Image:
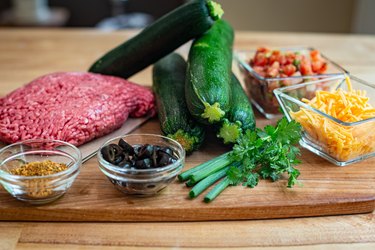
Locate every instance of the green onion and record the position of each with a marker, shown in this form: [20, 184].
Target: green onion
[190, 183]
[206, 182]
[217, 190]
[211, 168]
[188, 173]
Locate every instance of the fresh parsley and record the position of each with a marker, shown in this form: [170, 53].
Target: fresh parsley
[267, 153]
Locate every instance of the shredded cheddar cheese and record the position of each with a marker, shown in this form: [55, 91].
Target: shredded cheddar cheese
[340, 141]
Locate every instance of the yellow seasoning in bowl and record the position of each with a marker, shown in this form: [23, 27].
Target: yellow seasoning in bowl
[38, 188]
[37, 168]
[340, 141]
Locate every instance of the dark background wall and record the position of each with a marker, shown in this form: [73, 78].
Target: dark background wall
[337, 16]
[87, 13]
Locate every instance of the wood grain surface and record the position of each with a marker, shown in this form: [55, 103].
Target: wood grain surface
[26, 54]
[326, 190]
[255, 233]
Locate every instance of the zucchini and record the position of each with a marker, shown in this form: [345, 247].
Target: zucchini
[240, 116]
[207, 87]
[175, 120]
[159, 39]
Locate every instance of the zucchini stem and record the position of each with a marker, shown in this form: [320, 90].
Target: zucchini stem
[188, 142]
[213, 113]
[229, 131]
[215, 10]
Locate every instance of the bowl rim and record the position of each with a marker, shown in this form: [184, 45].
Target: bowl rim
[247, 66]
[71, 169]
[279, 93]
[106, 165]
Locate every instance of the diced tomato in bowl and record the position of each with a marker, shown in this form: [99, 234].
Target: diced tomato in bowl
[266, 70]
[288, 62]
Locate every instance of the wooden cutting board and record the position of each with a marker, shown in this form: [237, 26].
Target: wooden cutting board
[327, 190]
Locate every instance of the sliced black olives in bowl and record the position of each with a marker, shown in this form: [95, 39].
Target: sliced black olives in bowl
[144, 156]
[145, 163]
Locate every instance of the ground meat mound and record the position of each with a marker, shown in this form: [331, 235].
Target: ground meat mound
[72, 107]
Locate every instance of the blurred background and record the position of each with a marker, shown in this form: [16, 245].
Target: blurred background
[337, 16]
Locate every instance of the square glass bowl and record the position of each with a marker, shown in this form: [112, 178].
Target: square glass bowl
[260, 88]
[341, 143]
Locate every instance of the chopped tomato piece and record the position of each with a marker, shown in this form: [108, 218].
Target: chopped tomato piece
[272, 72]
[289, 69]
[315, 55]
[259, 70]
[275, 65]
[274, 56]
[260, 59]
[290, 57]
[305, 67]
[276, 52]
[263, 49]
[317, 65]
[323, 69]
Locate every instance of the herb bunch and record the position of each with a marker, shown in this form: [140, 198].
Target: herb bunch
[267, 154]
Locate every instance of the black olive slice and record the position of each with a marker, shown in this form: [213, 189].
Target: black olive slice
[124, 164]
[145, 151]
[162, 153]
[107, 154]
[132, 163]
[126, 156]
[143, 164]
[164, 160]
[126, 146]
[136, 149]
[167, 150]
[118, 159]
[112, 153]
[116, 149]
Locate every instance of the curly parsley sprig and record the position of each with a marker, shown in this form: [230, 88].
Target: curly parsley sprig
[267, 153]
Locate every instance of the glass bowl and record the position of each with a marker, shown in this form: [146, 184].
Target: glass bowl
[260, 88]
[39, 189]
[341, 143]
[143, 182]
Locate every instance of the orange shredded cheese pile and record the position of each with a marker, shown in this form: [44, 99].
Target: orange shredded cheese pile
[340, 141]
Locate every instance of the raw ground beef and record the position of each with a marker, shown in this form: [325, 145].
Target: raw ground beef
[72, 107]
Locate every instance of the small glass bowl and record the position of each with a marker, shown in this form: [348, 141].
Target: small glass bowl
[317, 137]
[143, 182]
[39, 189]
[260, 88]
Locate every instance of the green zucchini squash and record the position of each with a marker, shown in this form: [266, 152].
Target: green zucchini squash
[240, 116]
[175, 120]
[159, 39]
[207, 87]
